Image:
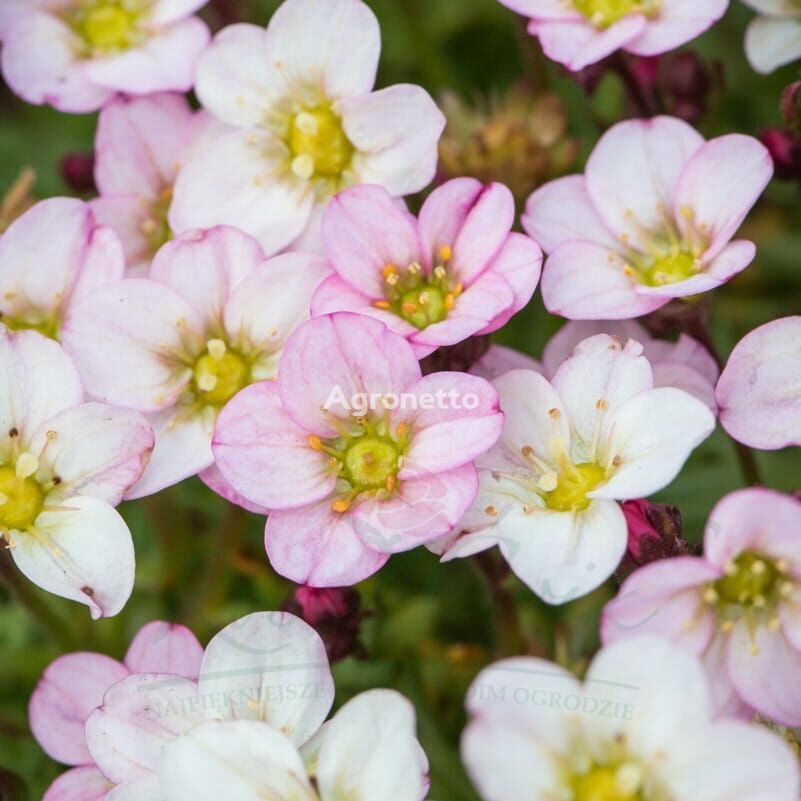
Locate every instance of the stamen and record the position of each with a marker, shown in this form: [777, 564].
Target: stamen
[445, 253]
[27, 465]
[303, 166]
[216, 348]
[307, 123]
[340, 505]
[206, 382]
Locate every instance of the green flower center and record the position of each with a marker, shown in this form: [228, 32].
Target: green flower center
[370, 462]
[750, 581]
[47, 326]
[21, 498]
[106, 26]
[670, 269]
[603, 13]
[609, 783]
[420, 298]
[219, 374]
[573, 482]
[318, 144]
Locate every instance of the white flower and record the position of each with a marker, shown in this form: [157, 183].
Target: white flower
[638, 729]
[597, 433]
[773, 39]
[64, 465]
[307, 123]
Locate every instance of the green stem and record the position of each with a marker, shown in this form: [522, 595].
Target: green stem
[509, 640]
[24, 593]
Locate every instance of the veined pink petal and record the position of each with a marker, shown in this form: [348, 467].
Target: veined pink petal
[161, 647]
[213, 478]
[79, 784]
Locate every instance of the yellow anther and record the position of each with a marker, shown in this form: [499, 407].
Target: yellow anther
[458, 289]
[381, 304]
[216, 348]
[409, 308]
[391, 483]
[440, 272]
[389, 269]
[148, 226]
[392, 279]
[758, 567]
[415, 268]
[315, 442]
[402, 430]
[711, 595]
[423, 298]
[340, 506]
[445, 253]
[449, 301]
[491, 511]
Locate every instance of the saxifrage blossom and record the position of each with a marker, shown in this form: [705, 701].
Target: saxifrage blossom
[211, 318]
[455, 272]
[738, 607]
[64, 466]
[348, 484]
[76, 55]
[50, 257]
[578, 33]
[73, 686]
[773, 38]
[640, 727]
[597, 433]
[140, 145]
[759, 392]
[308, 123]
[651, 219]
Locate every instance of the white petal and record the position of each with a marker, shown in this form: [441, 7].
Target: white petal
[269, 666]
[82, 551]
[771, 43]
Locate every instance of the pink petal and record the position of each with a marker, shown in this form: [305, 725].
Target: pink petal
[759, 392]
[54, 75]
[585, 281]
[216, 482]
[79, 784]
[755, 519]
[347, 351]
[664, 598]
[164, 12]
[772, 42]
[561, 211]
[319, 547]
[720, 184]
[579, 44]
[165, 61]
[520, 263]
[446, 436]
[160, 647]
[423, 509]
[265, 455]
[677, 23]
[364, 231]
[69, 690]
[500, 359]
[634, 171]
[205, 267]
[125, 215]
[395, 132]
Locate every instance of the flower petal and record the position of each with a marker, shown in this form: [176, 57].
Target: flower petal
[273, 667]
[82, 551]
[79, 784]
[160, 647]
[772, 43]
[70, 689]
[677, 23]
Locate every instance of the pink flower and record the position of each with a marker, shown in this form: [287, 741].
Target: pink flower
[211, 319]
[76, 55]
[760, 390]
[597, 433]
[74, 685]
[578, 33]
[49, 258]
[64, 466]
[640, 726]
[348, 481]
[685, 364]
[738, 606]
[652, 219]
[455, 272]
[140, 145]
[307, 124]
[773, 38]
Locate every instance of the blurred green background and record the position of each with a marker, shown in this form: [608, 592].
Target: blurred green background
[430, 627]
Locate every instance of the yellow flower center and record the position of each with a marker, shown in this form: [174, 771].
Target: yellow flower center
[219, 374]
[106, 26]
[370, 462]
[420, 298]
[47, 326]
[609, 783]
[603, 13]
[670, 269]
[318, 144]
[21, 496]
[573, 482]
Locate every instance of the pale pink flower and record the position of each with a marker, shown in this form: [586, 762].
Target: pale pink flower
[308, 123]
[577, 33]
[499, 360]
[685, 364]
[64, 466]
[640, 726]
[348, 483]
[773, 38]
[597, 433]
[759, 392]
[140, 145]
[73, 686]
[76, 55]
[738, 607]
[49, 258]
[455, 272]
[211, 319]
[651, 219]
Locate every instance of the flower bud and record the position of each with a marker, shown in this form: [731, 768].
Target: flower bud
[785, 150]
[77, 171]
[790, 106]
[334, 612]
